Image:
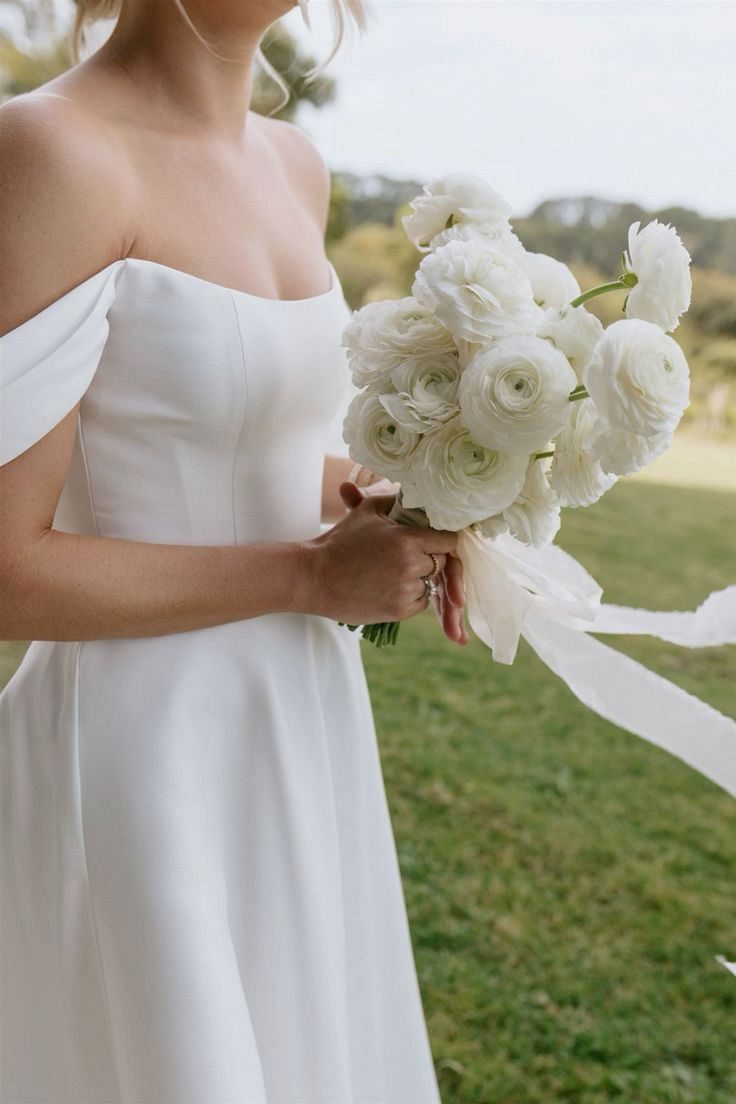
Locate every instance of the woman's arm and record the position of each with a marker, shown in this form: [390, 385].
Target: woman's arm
[62, 586]
[336, 471]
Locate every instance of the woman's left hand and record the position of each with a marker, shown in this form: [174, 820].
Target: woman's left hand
[449, 602]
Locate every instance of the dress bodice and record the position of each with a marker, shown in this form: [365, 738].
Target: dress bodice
[201, 894]
[205, 412]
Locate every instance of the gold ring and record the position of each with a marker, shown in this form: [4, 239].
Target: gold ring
[433, 574]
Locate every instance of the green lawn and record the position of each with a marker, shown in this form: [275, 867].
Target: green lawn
[568, 885]
[694, 461]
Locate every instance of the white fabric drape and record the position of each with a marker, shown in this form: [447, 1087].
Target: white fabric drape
[549, 598]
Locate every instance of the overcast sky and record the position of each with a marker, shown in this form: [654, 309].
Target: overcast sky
[628, 99]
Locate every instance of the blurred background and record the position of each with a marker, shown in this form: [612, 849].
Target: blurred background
[568, 885]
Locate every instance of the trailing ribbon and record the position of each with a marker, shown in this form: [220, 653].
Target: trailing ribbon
[546, 596]
[729, 965]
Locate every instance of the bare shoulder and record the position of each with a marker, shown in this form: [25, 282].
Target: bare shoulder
[303, 161]
[66, 201]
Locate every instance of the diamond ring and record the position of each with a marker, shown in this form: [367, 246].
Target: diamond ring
[430, 586]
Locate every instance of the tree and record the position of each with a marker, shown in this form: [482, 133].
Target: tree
[281, 51]
[42, 52]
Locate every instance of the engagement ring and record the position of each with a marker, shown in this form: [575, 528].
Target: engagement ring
[430, 586]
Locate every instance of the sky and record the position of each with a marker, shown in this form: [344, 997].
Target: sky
[626, 99]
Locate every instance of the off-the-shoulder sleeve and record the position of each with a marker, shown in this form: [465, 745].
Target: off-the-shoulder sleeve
[48, 362]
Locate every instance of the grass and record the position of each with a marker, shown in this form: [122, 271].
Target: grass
[694, 461]
[568, 885]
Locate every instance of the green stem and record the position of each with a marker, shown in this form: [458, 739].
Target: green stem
[541, 455]
[578, 393]
[615, 285]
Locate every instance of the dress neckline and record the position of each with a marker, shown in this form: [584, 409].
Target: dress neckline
[235, 291]
[143, 264]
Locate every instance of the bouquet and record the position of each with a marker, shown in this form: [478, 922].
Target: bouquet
[491, 394]
[496, 399]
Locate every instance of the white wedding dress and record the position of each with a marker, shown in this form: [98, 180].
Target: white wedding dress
[201, 899]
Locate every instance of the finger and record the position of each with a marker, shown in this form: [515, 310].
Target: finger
[438, 601]
[449, 619]
[453, 623]
[435, 540]
[440, 557]
[381, 503]
[420, 603]
[454, 580]
[350, 493]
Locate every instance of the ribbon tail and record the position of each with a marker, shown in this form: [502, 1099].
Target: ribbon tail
[729, 965]
[496, 604]
[636, 699]
[712, 624]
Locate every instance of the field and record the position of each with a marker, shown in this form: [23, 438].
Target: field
[568, 885]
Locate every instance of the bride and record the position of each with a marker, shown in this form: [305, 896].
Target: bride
[201, 896]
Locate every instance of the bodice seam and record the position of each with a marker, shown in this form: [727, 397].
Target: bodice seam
[87, 475]
[236, 450]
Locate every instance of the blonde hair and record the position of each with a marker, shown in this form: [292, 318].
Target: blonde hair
[342, 11]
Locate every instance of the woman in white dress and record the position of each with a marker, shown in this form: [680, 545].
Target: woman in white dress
[201, 900]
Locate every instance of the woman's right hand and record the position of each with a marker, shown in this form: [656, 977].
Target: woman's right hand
[368, 568]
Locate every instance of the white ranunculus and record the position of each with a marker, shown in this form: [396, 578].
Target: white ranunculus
[576, 474]
[534, 517]
[375, 438]
[514, 395]
[661, 264]
[500, 235]
[380, 335]
[493, 526]
[638, 378]
[625, 453]
[553, 284]
[574, 331]
[457, 481]
[426, 391]
[476, 291]
[455, 199]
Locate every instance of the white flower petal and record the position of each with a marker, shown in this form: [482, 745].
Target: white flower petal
[575, 473]
[534, 517]
[514, 395]
[382, 334]
[457, 197]
[375, 438]
[574, 331]
[476, 291]
[625, 453]
[662, 266]
[638, 378]
[553, 284]
[457, 481]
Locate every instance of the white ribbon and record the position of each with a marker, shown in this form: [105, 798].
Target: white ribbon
[546, 596]
[729, 965]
